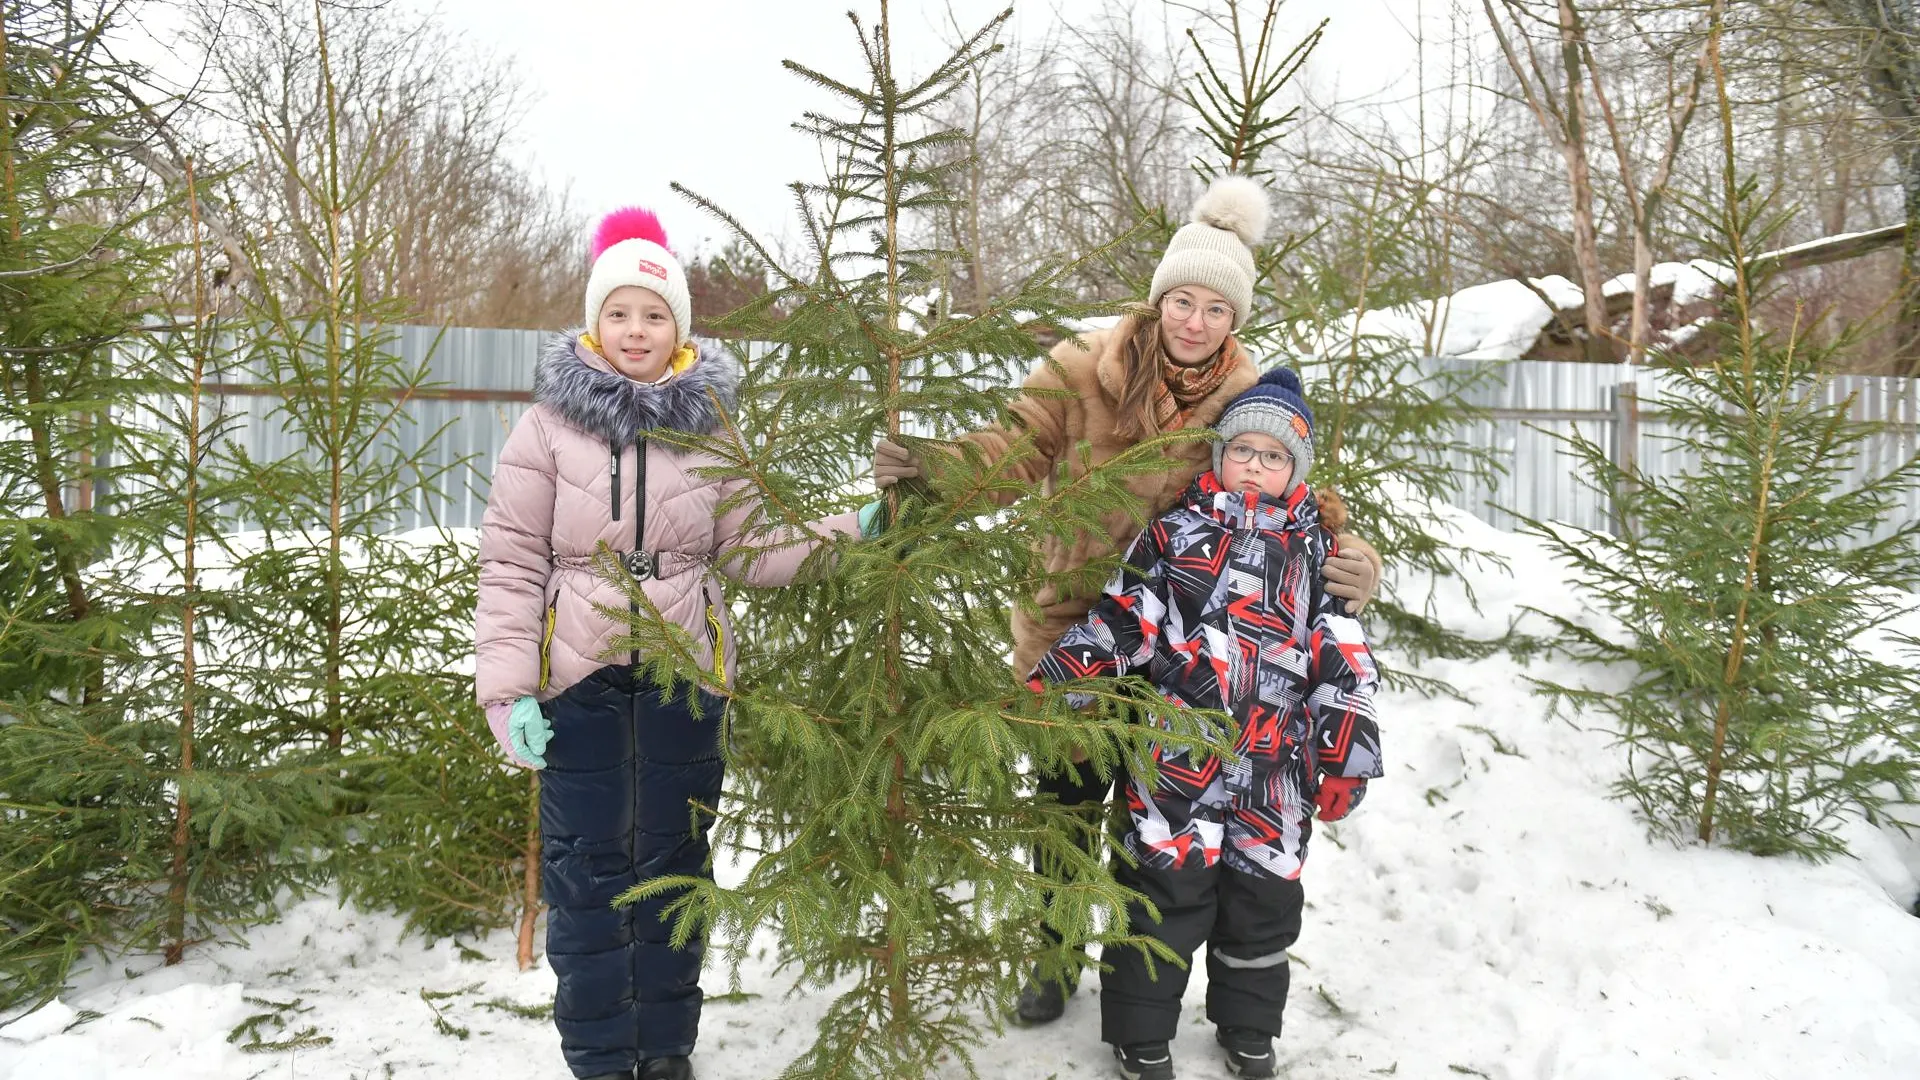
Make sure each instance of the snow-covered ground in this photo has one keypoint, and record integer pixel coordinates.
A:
(1488, 912)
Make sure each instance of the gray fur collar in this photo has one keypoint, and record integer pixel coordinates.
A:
(616, 409)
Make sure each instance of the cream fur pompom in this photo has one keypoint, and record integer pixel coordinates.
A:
(1236, 203)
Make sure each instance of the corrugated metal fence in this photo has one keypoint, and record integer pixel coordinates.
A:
(1533, 401)
(482, 379)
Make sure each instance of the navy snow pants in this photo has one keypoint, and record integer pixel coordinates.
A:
(625, 771)
(1247, 920)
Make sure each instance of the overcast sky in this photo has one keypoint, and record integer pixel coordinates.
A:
(624, 97)
(630, 95)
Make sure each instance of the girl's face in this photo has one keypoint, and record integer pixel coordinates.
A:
(1194, 320)
(636, 333)
(1267, 468)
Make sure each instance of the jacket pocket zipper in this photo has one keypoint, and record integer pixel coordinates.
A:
(713, 642)
(546, 650)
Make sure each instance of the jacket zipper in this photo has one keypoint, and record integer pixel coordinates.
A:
(639, 532)
(633, 658)
(615, 486)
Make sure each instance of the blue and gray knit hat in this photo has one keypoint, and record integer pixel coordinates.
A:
(1273, 406)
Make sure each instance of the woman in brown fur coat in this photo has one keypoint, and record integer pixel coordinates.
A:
(1172, 364)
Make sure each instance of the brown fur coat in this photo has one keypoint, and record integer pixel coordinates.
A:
(1092, 370)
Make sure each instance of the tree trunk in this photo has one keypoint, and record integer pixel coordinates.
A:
(530, 878)
(41, 435)
(1641, 328)
(1586, 241)
(179, 872)
(1730, 689)
(8, 189)
(893, 961)
(1907, 327)
(336, 438)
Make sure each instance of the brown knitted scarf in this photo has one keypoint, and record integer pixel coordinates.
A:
(1181, 388)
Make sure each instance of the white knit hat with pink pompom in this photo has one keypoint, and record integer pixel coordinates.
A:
(630, 248)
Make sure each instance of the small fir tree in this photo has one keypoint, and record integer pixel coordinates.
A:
(1390, 423)
(1393, 420)
(879, 739)
(77, 272)
(143, 812)
(366, 623)
(240, 808)
(1747, 589)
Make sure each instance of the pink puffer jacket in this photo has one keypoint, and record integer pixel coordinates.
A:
(566, 481)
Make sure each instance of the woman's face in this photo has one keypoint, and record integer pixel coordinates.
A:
(1194, 320)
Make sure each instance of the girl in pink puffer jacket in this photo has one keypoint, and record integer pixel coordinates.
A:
(626, 767)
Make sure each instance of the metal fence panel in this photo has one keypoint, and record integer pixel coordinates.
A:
(481, 379)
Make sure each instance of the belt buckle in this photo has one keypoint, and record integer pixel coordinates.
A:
(643, 565)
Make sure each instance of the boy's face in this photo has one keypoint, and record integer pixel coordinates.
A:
(1256, 461)
(636, 333)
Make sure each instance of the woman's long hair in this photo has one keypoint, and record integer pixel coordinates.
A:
(1143, 359)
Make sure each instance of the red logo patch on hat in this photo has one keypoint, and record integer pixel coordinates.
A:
(1300, 427)
(652, 269)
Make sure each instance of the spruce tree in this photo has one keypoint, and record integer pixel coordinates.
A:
(1747, 588)
(1390, 424)
(880, 743)
(77, 271)
(143, 814)
(241, 809)
(355, 662)
(1391, 420)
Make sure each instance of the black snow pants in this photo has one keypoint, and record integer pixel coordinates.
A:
(626, 770)
(1247, 920)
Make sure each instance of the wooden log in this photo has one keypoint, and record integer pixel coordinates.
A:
(1829, 249)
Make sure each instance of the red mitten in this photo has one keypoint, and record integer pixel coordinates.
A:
(1338, 796)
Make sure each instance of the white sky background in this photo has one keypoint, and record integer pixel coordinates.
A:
(631, 96)
(623, 97)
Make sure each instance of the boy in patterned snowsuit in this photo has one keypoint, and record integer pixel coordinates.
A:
(1220, 606)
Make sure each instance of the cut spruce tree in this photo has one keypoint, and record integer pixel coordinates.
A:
(79, 269)
(364, 616)
(881, 745)
(142, 813)
(1751, 593)
(1391, 423)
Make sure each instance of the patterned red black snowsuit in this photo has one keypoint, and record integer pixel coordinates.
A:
(1220, 606)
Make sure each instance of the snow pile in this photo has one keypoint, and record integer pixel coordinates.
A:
(1503, 320)
(1499, 320)
(1488, 912)
(1692, 281)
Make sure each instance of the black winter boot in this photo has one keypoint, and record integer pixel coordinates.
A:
(667, 1068)
(1145, 1061)
(1249, 1052)
(1042, 1001)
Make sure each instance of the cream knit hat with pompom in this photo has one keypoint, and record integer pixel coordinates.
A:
(1213, 249)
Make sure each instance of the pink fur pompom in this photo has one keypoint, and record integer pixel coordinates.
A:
(627, 223)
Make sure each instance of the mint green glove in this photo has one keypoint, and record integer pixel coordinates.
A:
(873, 519)
(529, 732)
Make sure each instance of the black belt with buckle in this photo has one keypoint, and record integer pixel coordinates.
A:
(643, 565)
